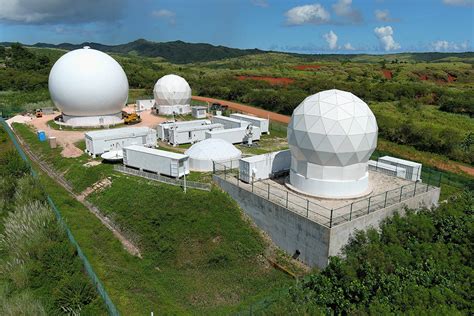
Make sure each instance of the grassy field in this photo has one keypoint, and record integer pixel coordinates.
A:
(200, 255)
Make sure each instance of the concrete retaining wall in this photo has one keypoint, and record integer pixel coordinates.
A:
(341, 233)
(315, 242)
(288, 230)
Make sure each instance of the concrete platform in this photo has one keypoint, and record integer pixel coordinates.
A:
(319, 228)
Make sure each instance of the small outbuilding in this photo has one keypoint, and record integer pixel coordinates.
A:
(202, 155)
(199, 112)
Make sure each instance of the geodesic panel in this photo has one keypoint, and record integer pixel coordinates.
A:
(172, 90)
(332, 128)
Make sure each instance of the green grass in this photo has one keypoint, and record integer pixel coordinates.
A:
(73, 169)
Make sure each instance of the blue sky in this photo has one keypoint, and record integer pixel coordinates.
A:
(374, 26)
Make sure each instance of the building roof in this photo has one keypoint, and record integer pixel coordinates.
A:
(119, 132)
(156, 152)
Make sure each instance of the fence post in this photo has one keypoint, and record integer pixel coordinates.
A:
(252, 185)
(330, 219)
(428, 182)
(368, 206)
(307, 208)
(225, 173)
(238, 177)
(414, 190)
(268, 191)
(286, 199)
(350, 213)
(401, 192)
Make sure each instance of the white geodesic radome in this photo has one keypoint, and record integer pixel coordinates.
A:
(172, 94)
(89, 87)
(203, 154)
(331, 136)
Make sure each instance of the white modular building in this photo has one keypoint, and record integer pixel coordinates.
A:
(229, 122)
(186, 132)
(89, 87)
(99, 142)
(413, 169)
(263, 124)
(163, 128)
(204, 154)
(236, 135)
(260, 167)
(199, 112)
(158, 161)
(143, 105)
(190, 134)
(385, 168)
(331, 135)
(172, 95)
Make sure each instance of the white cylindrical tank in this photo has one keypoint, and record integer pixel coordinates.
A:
(172, 94)
(331, 136)
(89, 87)
(203, 154)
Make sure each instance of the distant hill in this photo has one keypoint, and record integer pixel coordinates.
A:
(179, 52)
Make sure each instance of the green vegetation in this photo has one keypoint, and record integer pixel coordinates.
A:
(40, 272)
(197, 257)
(418, 264)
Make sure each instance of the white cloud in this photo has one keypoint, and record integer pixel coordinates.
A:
(385, 36)
(331, 38)
(444, 46)
(459, 2)
(307, 14)
(383, 16)
(167, 15)
(348, 46)
(260, 3)
(344, 8)
(60, 12)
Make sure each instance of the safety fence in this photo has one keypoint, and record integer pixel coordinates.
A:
(87, 266)
(163, 179)
(305, 207)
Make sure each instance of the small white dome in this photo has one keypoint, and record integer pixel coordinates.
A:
(204, 153)
(87, 82)
(172, 90)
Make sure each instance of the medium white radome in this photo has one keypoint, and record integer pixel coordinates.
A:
(87, 82)
(172, 90)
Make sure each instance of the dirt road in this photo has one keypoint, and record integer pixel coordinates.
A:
(248, 109)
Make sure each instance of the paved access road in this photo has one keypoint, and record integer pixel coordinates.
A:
(248, 109)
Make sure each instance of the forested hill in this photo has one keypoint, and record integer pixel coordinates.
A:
(177, 52)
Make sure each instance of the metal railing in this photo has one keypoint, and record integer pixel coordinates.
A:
(163, 179)
(307, 208)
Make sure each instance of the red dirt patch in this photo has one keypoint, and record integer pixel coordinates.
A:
(307, 67)
(423, 77)
(452, 78)
(270, 80)
(387, 74)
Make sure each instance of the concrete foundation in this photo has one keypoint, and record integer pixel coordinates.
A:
(316, 242)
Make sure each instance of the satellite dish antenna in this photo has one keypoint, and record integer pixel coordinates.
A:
(249, 134)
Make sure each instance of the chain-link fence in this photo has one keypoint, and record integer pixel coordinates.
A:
(163, 179)
(87, 266)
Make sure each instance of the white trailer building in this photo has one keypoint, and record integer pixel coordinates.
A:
(154, 160)
(413, 169)
(255, 121)
(229, 122)
(190, 134)
(99, 142)
(385, 168)
(199, 112)
(163, 128)
(143, 105)
(264, 166)
(236, 135)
